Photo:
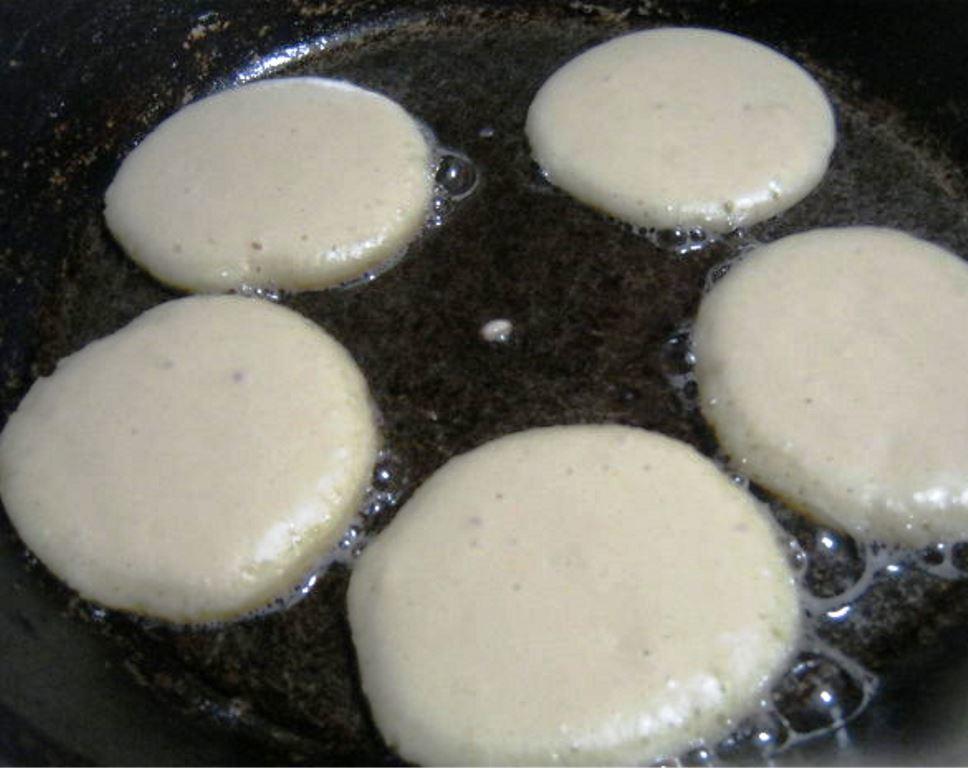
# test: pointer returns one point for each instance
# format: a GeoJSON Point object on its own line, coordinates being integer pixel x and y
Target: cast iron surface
{"type": "Point", "coordinates": [593, 305]}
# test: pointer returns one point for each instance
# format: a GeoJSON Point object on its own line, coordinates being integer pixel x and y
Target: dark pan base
{"type": "Point", "coordinates": [593, 305]}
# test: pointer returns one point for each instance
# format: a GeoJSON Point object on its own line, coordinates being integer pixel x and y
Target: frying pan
{"type": "Point", "coordinates": [596, 309]}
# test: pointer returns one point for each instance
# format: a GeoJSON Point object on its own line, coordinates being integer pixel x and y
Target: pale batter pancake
{"type": "Point", "coordinates": [681, 128]}
{"type": "Point", "coordinates": [297, 183]}
{"type": "Point", "coordinates": [579, 595]}
{"type": "Point", "coordinates": [832, 365]}
{"type": "Point", "coordinates": [194, 465]}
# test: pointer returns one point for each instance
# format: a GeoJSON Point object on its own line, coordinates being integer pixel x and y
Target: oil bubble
{"type": "Point", "coordinates": [269, 292]}
{"type": "Point", "coordinates": [717, 273]}
{"type": "Point", "coordinates": [756, 738]}
{"type": "Point", "coordinates": [29, 559]}
{"type": "Point", "coordinates": [539, 179]}
{"type": "Point", "coordinates": [939, 560]}
{"type": "Point", "coordinates": [388, 471]}
{"type": "Point", "coordinates": [350, 537]}
{"type": "Point", "coordinates": [456, 176]}
{"type": "Point", "coordinates": [310, 583]}
{"type": "Point", "coordinates": [797, 557]}
{"type": "Point", "coordinates": [671, 239]}
{"type": "Point", "coordinates": [238, 707]}
{"type": "Point", "coordinates": [678, 240]}
{"type": "Point", "coordinates": [97, 613]}
{"type": "Point", "coordinates": [677, 361]}
{"type": "Point", "coordinates": [379, 504]}
{"type": "Point", "coordinates": [699, 756]}
{"type": "Point", "coordinates": [817, 694]}
{"type": "Point", "coordinates": [935, 555]}
{"type": "Point", "coordinates": [677, 356]}
{"type": "Point", "coordinates": [959, 556]}
{"type": "Point", "coordinates": [836, 563]}
{"type": "Point", "coordinates": [440, 210]}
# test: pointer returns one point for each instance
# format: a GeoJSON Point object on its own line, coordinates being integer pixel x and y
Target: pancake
{"type": "Point", "coordinates": [292, 183]}
{"type": "Point", "coordinates": [582, 594]}
{"type": "Point", "coordinates": [678, 127]}
{"type": "Point", "coordinates": [830, 364]}
{"type": "Point", "coordinates": [196, 464]}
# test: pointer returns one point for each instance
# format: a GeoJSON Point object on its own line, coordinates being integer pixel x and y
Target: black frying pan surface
{"type": "Point", "coordinates": [594, 306]}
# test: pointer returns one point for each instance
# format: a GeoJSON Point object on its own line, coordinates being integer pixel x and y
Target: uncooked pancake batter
{"type": "Point", "coordinates": [683, 128]}
{"type": "Point", "coordinates": [583, 594]}
{"type": "Point", "coordinates": [195, 464]}
{"type": "Point", "coordinates": [832, 365]}
{"type": "Point", "coordinates": [293, 183]}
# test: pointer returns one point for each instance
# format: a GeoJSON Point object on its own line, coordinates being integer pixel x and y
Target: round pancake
{"type": "Point", "coordinates": [683, 128]}
{"type": "Point", "coordinates": [194, 465]}
{"type": "Point", "coordinates": [582, 594]}
{"type": "Point", "coordinates": [292, 183]}
{"type": "Point", "coordinates": [831, 365]}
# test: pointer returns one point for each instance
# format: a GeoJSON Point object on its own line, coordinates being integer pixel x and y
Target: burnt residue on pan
{"type": "Point", "coordinates": [594, 306]}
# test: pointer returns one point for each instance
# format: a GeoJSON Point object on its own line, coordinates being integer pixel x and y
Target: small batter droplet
{"type": "Point", "coordinates": [497, 331]}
